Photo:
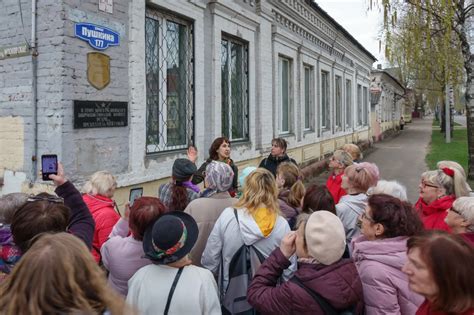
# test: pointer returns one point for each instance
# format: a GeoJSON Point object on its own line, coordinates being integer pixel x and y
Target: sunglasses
{"type": "Point", "coordinates": [44, 198]}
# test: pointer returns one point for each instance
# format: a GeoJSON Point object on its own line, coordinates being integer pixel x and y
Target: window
{"type": "Point", "coordinates": [234, 89]}
{"type": "Point", "coordinates": [338, 108]}
{"type": "Point", "coordinates": [348, 104]}
{"type": "Point", "coordinates": [169, 82]}
{"type": "Point", "coordinates": [364, 107]}
{"type": "Point", "coordinates": [325, 110]}
{"type": "Point", "coordinates": [308, 97]}
{"type": "Point", "coordinates": [284, 69]}
{"type": "Point", "coordinates": [359, 105]}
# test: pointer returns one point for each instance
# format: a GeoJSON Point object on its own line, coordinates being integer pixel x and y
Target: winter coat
{"type": "Point", "coordinates": [165, 194]}
{"type": "Point", "coordinates": [334, 186]}
{"type": "Point", "coordinates": [379, 264]}
{"type": "Point", "coordinates": [287, 210]}
{"type": "Point", "coordinates": [426, 309]}
{"type": "Point", "coordinates": [338, 283]}
{"type": "Point", "coordinates": [349, 208]}
{"type": "Point", "coordinates": [200, 174]}
{"type": "Point", "coordinates": [105, 217]}
{"type": "Point", "coordinates": [271, 162]}
{"type": "Point", "coordinates": [228, 236]}
{"type": "Point", "coordinates": [433, 214]}
{"type": "Point", "coordinates": [206, 211]}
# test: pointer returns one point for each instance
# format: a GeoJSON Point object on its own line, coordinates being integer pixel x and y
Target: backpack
{"type": "Point", "coordinates": [242, 268]}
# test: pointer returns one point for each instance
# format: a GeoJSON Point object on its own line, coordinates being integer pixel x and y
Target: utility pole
{"type": "Point", "coordinates": [447, 113]}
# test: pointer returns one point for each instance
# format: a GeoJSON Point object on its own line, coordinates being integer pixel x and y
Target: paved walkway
{"type": "Point", "coordinates": [400, 158]}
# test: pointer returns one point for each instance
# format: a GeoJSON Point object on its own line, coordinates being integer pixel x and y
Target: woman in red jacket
{"type": "Point", "coordinates": [337, 164]}
{"type": "Point", "coordinates": [98, 193]}
{"type": "Point", "coordinates": [438, 190]}
{"type": "Point", "coordinates": [439, 267]}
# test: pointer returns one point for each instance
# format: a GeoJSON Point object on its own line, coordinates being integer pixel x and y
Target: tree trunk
{"type": "Point", "coordinates": [470, 115]}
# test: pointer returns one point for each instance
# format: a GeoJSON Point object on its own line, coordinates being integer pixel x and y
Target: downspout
{"type": "Point", "coordinates": [34, 91]}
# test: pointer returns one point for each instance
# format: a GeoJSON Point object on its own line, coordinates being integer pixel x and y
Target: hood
{"type": "Point", "coordinates": [249, 229]}
{"type": "Point", "coordinates": [97, 202]}
{"type": "Point", "coordinates": [389, 251]}
{"type": "Point", "coordinates": [355, 202]}
{"type": "Point", "coordinates": [6, 237]}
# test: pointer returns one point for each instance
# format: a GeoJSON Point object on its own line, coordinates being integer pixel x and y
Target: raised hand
{"type": "Point", "coordinates": [60, 178]}
{"type": "Point", "coordinates": [288, 246]}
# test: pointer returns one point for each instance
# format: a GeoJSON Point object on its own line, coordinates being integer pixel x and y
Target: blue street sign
{"type": "Point", "coordinates": [97, 36]}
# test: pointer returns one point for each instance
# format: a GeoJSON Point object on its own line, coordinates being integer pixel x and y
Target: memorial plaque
{"type": "Point", "coordinates": [98, 70]}
{"type": "Point", "coordinates": [100, 114]}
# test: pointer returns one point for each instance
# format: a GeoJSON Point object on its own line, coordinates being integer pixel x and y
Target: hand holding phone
{"type": "Point", "coordinates": [135, 193]}
{"type": "Point", "coordinates": [49, 165]}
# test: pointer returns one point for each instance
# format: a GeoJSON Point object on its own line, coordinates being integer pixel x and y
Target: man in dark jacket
{"type": "Point", "coordinates": [277, 156]}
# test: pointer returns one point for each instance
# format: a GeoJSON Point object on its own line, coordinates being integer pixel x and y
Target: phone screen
{"type": "Point", "coordinates": [49, 165]}
{"type": "Point", "coordinates": [135, 193]}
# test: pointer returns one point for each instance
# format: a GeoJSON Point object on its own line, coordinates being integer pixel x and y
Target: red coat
{"type": "Point", "coordinates": [105, 217]}
{"type": "Point", "coordinates": [433, 214]}
{"type": "Point", "coordinates": [334, 186]}
{"type": "Point", "coordinates": [338, 283]}
{"type": "Point", "coordinates": [425, 309]}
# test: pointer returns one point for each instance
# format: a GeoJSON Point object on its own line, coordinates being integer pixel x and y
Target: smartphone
{"type": "Point", "coordinates": [49, 165]}
{"type": "Point", "coordinates": [135, 193]}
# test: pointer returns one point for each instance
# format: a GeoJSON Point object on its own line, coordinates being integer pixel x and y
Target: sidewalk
{"type": "Point", "coordinates": [400, 158]}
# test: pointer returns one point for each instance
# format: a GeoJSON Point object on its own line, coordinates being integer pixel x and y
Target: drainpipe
{"type": "Point", "coordinates": [34, 91]}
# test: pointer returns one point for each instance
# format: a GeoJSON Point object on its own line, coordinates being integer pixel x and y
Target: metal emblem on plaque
{"type": "Point", "coordinates": [98, 69]}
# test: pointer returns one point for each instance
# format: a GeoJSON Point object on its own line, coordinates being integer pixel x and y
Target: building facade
{"type": "Point", "coordinates": [187, 72]}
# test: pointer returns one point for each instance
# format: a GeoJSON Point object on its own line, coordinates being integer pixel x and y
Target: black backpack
{"type": "Point", "coordinates": [242, 268]}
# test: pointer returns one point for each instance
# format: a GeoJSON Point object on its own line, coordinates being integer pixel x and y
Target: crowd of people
{"type": "Point", "coordinates": [213, 242]}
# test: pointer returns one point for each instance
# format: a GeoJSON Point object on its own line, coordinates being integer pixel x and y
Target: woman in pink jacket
{"type": "Point", "coordinates": [380, 253]}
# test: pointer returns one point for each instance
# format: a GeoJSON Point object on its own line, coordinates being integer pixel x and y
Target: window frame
{"type": "Point", "coordinates": [325, 101]}
{"type": "Point", "coordinates": [348, 102]}
{"type": "Point", "coordinates": [338, 102]}
{"type": "Point", "coordinates": [289, 89]}
{"type": "Point", "coordinates": [308, 98]}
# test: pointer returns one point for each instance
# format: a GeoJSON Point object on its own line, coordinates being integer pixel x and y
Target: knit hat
{"type": "Point", "coordinates": [170, 238]}
{"type": "Point", "coordinates": [325, 237]}
{"type": "Point", "coordinates": [183, 169]}
{"type": "Point", "coordinates": [219, 176]}
{"type": "Point", "coordinates": [245, 172]}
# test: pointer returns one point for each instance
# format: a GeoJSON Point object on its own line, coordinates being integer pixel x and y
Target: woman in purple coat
{"type": "Point", "coordinates": [319, 243]}
{"type": "Point", "coordinates": [380, 253]}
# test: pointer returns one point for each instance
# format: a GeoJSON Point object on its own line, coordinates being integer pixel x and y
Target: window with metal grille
{"type": "Point", "coordinates": [234, 89]}
{"type": "Point", "coordinates": [359, 105]}
{"type": "Point", "coordinates": [338, 88]}
{"type": "Point", "coordinates": [284, 67]}
{"type": "Point", "coordinates": [169, 82]}
{"type": "Point", "coordinates": [348, 104]}
{"type": "Point", "coordinates": [364, 106]}
{"type": "Point", "coordinates": [325, 109]}
{"type": "Point", "coordinates": [308, 98]}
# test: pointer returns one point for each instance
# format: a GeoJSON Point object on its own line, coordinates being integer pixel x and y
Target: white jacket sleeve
{"type": "Point", "coordinates": [211, 257]}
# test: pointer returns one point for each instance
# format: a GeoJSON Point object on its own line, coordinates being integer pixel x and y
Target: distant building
{"type": "Point", "coordinates": [189, 71]}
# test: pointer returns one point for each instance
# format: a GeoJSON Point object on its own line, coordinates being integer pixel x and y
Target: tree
{"type": "Point", "coordinates": [447, 20]}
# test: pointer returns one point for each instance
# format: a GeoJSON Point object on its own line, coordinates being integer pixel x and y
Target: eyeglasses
{"type": "Point", "coordinates": [424, 184]}
{"type": "Point", "coordinates": [365, 216]}
{"type": "Point", "coordinates": [52, 199]}
{"type": "Point", "coordinates": [455, 211]}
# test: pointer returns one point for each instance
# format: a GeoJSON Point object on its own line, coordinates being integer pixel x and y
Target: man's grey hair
{"type": "Point", "coordinates": [392, 188]}
{"type": "Point", "coordinates": [9, 204]}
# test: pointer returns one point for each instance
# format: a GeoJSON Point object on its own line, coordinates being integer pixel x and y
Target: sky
{"type": "Point", "coordinates": [361, 23]}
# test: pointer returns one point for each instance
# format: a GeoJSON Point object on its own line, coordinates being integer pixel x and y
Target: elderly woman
{"type": "Point", "coordinates": [380, 253]}
{"type": "Point", "coordinates": [439, 268]}
{"type": "Point", "coordinates": [337, 164]}
{"type": "Point", "coordinates": [259, 224]}
{"type": "Point", "coordinates": [389, 187]}
{"type": "Point", "coordinates": [460, 218]}
{"type": "Point", "coordinates": [98, 194]}
{"type": "Point", "coordinates": [438, 190]}
{"type": "Point", "coordinates": [122, 253]}
{"type": "Point", "coordinates": [319, 243]}
{"type": "Point", "coordinates": [354, 151]}
{"type": "Point", "coordinates": [207, 209]}
{"type": "Point", "coordinates": [357, 179]}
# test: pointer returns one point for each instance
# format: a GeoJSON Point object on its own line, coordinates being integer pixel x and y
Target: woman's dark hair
{"type": "Point", "coordinates": [317, 198]}
{"type": "Point", "coordinates": [215, 146]}
{"type": "Point", "coordinates": [179, 196]}
{"type": "Point", "coordinates": [397, 217]}
{"type": "Point", "coordinates": [37, 217]}
{"type": "Point", "coordinates": [145, 211]}
{"type": "Point", "coordinates": [280, 142]}
{"type": "Point", "coordinates": [449, 258]}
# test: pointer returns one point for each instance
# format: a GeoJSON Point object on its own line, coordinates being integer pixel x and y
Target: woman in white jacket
{"type": "Point", "coordinates": [259, 225]}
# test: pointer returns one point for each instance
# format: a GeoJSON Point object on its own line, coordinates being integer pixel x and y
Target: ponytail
{"type": "Point", "coordinates": [294, 182]}
{"type": "Point", "coordinates": [179, 197]}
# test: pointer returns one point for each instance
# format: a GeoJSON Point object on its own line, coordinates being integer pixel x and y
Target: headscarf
{"type": "Point", "coordinates": [219, 177]}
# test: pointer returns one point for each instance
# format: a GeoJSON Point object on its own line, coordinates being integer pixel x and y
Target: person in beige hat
{"type": "Point", "coordinates": [324, 280]}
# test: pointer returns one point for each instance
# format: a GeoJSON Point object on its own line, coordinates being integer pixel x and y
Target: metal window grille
{"type": "Point", "coordinates": [348, 104]}
{"type": "Point", "coordinates": [325, 109]}
{"type": "Point", "coordinates": [308, 99]}
{"type": "Point", "coordinates": [338, 101]}
{"type": "Point", "coordinates": [169, 82]}
{"type": "Point", "coordinates": [359, 105]}
{"type": "Point", "coordinates": [285, 92]}
{"type": "Point", "coordinates": [234, 89]}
